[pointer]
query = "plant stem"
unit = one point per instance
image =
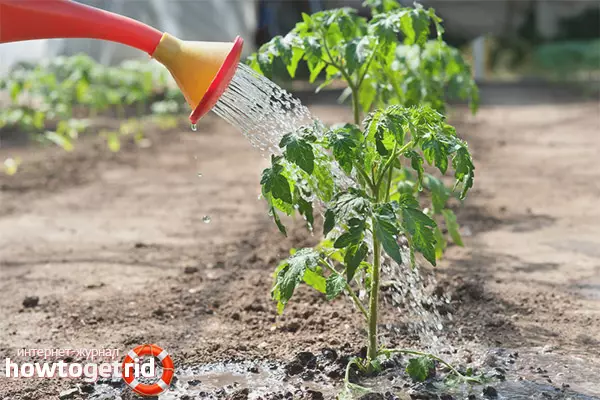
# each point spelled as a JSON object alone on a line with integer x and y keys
{"x": 356, "y": 106}
{"x": 374, "y": 301}
{"x": 357, "y": 301}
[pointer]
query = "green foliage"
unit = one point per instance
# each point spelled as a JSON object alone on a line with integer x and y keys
{"x": 372, "y": 179}
{"x": 387, "y": 60}
{"x": 420, "y": 368}
{"x": 65, "y": 89}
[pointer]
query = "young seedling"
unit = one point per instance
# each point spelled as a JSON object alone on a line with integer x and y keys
{"x": 368, "y": 177}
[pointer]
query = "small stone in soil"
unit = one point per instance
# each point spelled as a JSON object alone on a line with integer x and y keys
{"x": 31, "y": 301}
{"x": 194, "y": 382}
{"x": 87, "y": 388}
{"x": 240, "y": 395}
{"x": 294, "y": 368}
{"x": 190, "y": 270}
{"x": 490, "y": 392}
{"x": 68, "y": 394}
{"x": 314, "y": 395}
{"x": 330, "y": 354}
{"x": 253, "y": 369}
{"x": 308, "y": 376}
{"x": 372, "y": 396}
{"x": 159, "y": 312}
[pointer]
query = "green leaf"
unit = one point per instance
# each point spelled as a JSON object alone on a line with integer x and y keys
{"x": 356, "y": 53}
{"x": 440, "y": 243}
{"x": 386, "y": 230}
{"x": 59, "y": 140}
{"x": 322, "y": 174}
{"x": 298, "y": 151}
{"x": 305, "y": 208}
{"x": 275, "y": 216}
{"x": 335, "y": 286}
{"x": 420, "y": 227}
{"x": 329, "y": 222}
{"x": 463, "y": 169}
{"x": 315, "y": 280}
{"x": 353, "y": 257}
{"x": 416, "y": 163}
{"x": 407, "y": 200}
{"x": 351, "y": 203}
{"x": 435, "y": 150}
{"x": 353, "y": 235}
{"x": 344, "y": 143}
{"x": 452, "y": 226}
{"x": 292, "y": 272}
{"x": 276, "y": 184}
{"x": 439, "y": 193}
{"x": 415, "y": 26}
{"x": 420, "y": 368}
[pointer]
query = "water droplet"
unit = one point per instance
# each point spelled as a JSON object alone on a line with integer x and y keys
{"x": 194, "y": 127}
{"x": 206, "y": 219}
{"x": 199, "y": 174}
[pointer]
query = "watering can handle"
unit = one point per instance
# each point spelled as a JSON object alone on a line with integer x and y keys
{"x": 46, "y": 19}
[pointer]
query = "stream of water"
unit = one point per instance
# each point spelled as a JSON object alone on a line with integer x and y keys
{"x": 261, "y": 110}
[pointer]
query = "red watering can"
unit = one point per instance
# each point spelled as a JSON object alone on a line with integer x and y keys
{"x": 202, "y": 70}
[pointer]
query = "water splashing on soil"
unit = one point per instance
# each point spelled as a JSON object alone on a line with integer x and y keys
{"x": 523, "y": 375}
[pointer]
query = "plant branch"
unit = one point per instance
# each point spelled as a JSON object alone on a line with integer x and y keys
{"x": 365, "y": 176}
{"x": 434, "y": 357}
{"x": 353, "y": 296}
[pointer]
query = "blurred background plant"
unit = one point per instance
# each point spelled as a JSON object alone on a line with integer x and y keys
{"x": 56, "y": 100}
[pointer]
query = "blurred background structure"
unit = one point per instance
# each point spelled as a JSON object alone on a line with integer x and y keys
{"x": 559, "y": 35}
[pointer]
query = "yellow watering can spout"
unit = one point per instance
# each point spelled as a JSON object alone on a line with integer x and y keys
{"x": 202, "y": 70}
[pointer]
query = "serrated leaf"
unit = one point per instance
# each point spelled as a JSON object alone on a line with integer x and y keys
{"x": 305, "y": 208}
{"x": 353, "y": 258}
{"x": 276, "y": 184}
{"x": 322, "y": 174}
{"x": 416, "y": 163}
{"x": 463, "y": 170}
{"x": 329, "y": 222}
{"x": 452, "y": 226}
{"x": 335, "y": 286}
{"x": 344, "y": 143}
{"x": 435, "y": 151}
{"x": 420, "y": 368}
{"x": 277, "y": 220}
{"x": 386, "y": 230}
{"x": 415, "y": 26}
{"x": 439, "y": 193}
{"x": 408, "y": 200}
{"x": 298, "y": 151}
{"x": 349, "y": 204}
{"x": 353, "y": 235}
{"x": 420, "y": 227}
{"x": 315, "y": 280}
{"x": 292, "y": 272}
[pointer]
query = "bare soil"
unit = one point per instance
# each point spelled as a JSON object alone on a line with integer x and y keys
{"x": 116, "y": 248}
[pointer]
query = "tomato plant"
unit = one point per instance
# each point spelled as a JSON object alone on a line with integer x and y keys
{"x": 369, "y": 176}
